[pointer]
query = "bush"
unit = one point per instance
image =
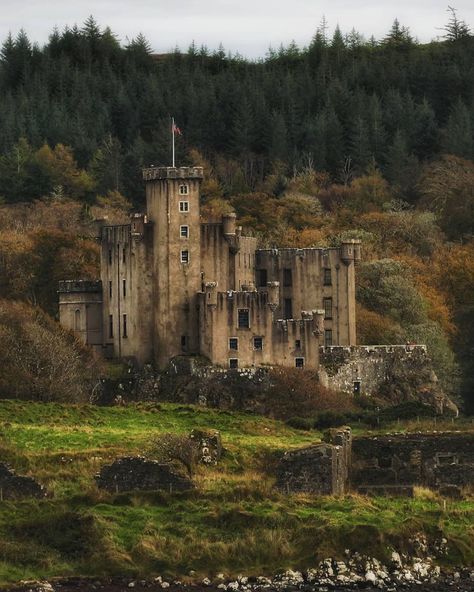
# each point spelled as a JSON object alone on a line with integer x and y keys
{"x": 301, "y": 423}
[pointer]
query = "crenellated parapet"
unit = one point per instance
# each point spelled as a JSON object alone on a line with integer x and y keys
{"x": 157, "y": 173}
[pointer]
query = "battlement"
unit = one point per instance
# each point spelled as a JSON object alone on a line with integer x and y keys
{"x": 79, "y": 286}
{"x": 157, "y": 173}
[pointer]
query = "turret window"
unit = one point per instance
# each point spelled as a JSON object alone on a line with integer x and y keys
{"x": 124, "y": 327}
{"x": 124, "y": 288}
{"x": 184, "y": 206}
{"x": 184, "y": 231}
{"x": 184, "y": 189}
{"x": 184, "y": 256}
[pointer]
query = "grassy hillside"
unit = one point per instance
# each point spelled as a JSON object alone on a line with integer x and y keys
{"x": 233, "y": 522}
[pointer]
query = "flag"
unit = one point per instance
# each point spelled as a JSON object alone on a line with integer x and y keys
{"x": 176, "y": 130}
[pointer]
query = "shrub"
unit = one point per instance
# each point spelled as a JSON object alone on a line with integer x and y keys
{"x": 175, "y": 448}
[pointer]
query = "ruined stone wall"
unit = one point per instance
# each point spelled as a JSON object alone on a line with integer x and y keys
{"x": 432, "y": 460}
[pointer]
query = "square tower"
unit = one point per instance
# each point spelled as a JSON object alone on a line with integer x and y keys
{"x": 172, "y": 197}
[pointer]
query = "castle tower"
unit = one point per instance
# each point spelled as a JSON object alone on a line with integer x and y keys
{"x": 172, "y": 196}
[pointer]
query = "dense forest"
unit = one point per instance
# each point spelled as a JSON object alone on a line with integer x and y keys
{"x": 345, "y": 137}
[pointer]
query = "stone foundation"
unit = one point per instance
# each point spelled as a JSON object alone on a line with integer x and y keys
{"x": 15, "y": 487}
{"x": 139, "y": 474}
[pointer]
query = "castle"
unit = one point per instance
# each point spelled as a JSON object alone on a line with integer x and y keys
{"x": 173, "y": 285}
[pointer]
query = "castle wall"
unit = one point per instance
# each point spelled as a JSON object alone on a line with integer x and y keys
{"x": 126, "y": 264}
{"x": 309, "y": 279}
{"x": 80, "y": 310}
{"x": 263, "y": 342}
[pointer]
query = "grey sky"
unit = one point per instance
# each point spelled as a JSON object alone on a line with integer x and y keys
{"x": 249, "y": 26}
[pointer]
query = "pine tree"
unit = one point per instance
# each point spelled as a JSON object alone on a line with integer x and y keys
{"x": 456, "y": 29}
{"x": 458, "y": 133}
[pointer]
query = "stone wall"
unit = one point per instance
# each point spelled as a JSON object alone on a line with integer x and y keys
{"x": 397, "y": 373}
{"x": 139, "y": 474}
{"x": 14, "y": 486}
{"x": 432, "y": 460}
{"x": 322, "y": 469}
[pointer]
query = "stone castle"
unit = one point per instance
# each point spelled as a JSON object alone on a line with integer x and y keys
{"x": 173, "y": 285}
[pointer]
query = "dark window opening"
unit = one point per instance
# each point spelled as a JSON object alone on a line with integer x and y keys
{"x": 184, "y": 256}
{"x": 183, "y": 189}
{"x": 243, "y": 318}
{"x": 124, "y": 287}
{"x": 298, "y": 344}
{"x": 327, "y": 276}
{"x": 110, "y": 289}
{"x": 234, "y": 343}
{"x": 328, "y": 337}
{"x": 111, "y": 326}
{"x": 110, "y": 256}
{"x": 184, "y": 342}
{"x": 327, "y": 305}
{"x": 262, "y": 278}
{"x": 356, "y": 387}
{"x": 124, "y": 255}
{"x": 233, "y": 363}
{"x": 124, "y": 333}
{"x": 258, "y": 343}
{"x": 184, "y": 231}
{"x": 299, "y": 362}
{"x": 288, "y": 308}
{"x": 287, "y": 278}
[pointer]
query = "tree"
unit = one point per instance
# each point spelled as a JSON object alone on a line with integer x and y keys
{"x": 458, "y": 133}
{"x": 399, "y": 37}
{"x": 456, "y": 29}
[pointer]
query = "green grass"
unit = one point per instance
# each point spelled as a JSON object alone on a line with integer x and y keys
{"x": 233, "y": 522}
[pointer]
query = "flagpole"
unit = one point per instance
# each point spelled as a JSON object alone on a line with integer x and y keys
{"x": 172, "y": 136}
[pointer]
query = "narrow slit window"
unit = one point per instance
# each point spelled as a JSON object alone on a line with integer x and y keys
{"x": 111, "y": 326}
{"x": 184, "y": 343}
{"x": 124, "y": 320}
{"x": 124, "y": 288}
{"x": 110, "y": 289}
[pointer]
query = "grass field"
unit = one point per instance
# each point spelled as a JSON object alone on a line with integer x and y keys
{"x": 233, "y": 522}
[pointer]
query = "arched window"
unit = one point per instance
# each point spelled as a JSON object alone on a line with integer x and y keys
{"x": 77, "y": 320}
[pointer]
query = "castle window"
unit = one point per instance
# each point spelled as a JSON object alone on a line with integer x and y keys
{"x": 124, "y": 255}
{"x": 184, "y": 231}
{"x": 243, "y": 318}
{"x": 262, "y": 278}
{"x": 298, "y": 344}
{"x": 287, "y": 278}
{"x": 327, "y": 305}
{"x": 356, "y": 389}
{"x": 288, "y": 308}
{"x": 184, "y": 206}
{"x": 258, "y": 343}
{"x": 111, "y": 326}
{"x": 124, "y": 328}
{"x": 299, "y": 362}
{"x": 234, "y": 344}
{"x": 110, "y": 256}
{"x": 110, "y": 289}
{"x": 77, "y": 320}
{"x": 184, "y": 256}
{"x": 184, "y": 189}
{"x": 327, "y": 337}
{"x": 233, "y": 363}
{"x": 124, "y": 288}
{"x": 327, "y": 278}
{"x": 184, "y": 343}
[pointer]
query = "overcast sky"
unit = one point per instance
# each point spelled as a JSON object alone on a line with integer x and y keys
{"x": 247, "y": 26}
